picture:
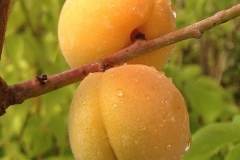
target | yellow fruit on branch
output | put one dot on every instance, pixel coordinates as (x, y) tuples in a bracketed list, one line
[(131, 112), (89, 30)]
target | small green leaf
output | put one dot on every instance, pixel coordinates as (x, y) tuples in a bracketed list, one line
[(210, 139)]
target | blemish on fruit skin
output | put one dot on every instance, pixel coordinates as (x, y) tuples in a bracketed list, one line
[(115, 105), (130, 99), (172, 119), (119, 93), (168, 91), (143, 128), (166, 102), (135, 80)]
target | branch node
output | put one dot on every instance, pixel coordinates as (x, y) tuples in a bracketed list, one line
[(42, 79), (198, 34)]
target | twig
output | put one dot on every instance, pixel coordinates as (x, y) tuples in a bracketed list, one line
[(4, 10), (43, 84)]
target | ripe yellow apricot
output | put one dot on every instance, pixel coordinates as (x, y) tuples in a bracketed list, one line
[(89, 30), (131, 112)]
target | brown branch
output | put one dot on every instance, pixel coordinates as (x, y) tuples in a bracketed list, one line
[(4, 10), (43, 84)]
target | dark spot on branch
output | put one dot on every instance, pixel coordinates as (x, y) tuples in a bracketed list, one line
[(42, 79), (84, 72)]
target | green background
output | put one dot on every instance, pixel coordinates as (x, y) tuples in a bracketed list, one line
[(206, 71)]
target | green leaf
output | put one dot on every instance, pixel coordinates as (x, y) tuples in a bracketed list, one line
[(210, 139), (234, 154), (236, 119), (36, 137), (15, 23), (13, 151), (206, 98)]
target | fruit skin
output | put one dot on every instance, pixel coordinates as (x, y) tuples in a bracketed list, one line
[(89, 30), (128, 112)]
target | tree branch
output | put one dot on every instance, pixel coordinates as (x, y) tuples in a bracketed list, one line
[(42, 84), (4, 10)]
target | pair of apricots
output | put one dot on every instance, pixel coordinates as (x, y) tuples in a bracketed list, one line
[(130, 112)]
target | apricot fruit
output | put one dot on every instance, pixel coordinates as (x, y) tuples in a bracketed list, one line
[(131, 112), (89, 29)]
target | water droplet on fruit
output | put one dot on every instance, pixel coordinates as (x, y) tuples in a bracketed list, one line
[(166, 102), (168, 147), (143, 128), (130, 99), (135, 80), (115, 105), (172, 119), (119, 93), (188, 145), (174, 14), (174, 10)]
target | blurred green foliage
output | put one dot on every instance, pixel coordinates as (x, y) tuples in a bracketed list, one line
[(206, 71)]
